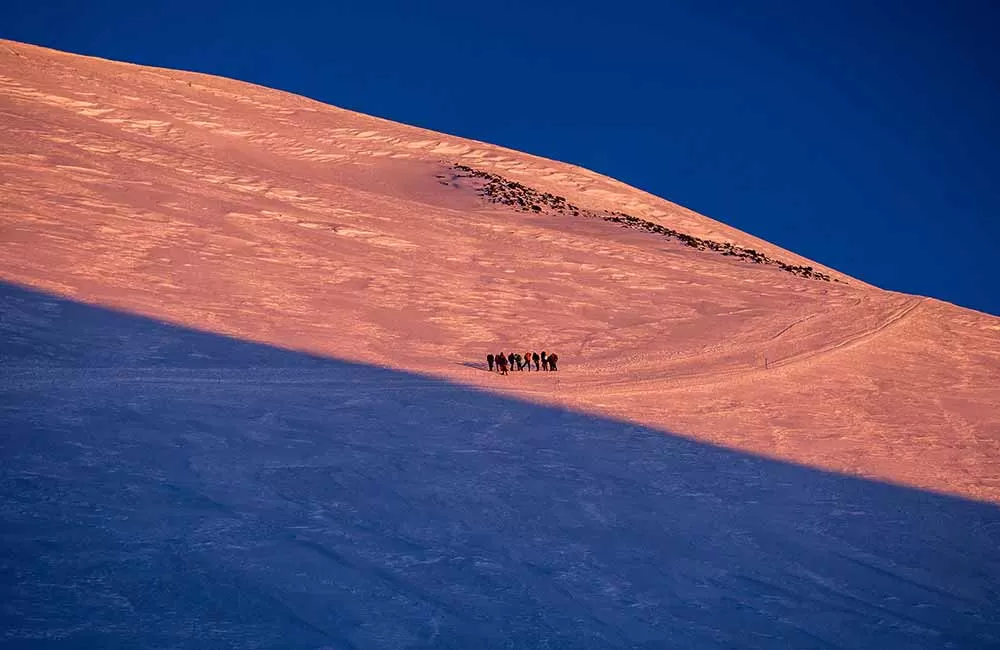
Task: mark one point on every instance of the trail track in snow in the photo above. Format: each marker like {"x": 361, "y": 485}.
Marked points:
{"x": 852, "y": 340}
{"x": 671, "y": 381}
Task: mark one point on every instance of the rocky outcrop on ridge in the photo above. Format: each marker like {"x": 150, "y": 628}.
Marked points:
{"x": 518, "y": 196}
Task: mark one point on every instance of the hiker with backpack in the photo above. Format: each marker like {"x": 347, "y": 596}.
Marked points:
{"x": 501, "y": 361}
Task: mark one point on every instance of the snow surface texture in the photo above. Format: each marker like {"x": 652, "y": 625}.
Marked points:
{"x": 312, "y": 453}
{"x": 168, "y": 488}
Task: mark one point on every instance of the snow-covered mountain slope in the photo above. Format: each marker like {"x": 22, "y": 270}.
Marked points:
{"x": 243, "y": 400}
{"x": 163, "y": 487}
{"x": 236, "y": 209}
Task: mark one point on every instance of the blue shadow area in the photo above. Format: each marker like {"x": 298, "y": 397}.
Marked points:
{"x": 167, "y": 488}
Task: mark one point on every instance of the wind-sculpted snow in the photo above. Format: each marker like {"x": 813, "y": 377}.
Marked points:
{"x": 169, "y": 488}
{"x": 312, "y": 453}
{"x": 254, "y": 213}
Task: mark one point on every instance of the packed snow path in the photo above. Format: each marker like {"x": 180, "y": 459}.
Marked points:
{"x": 167, "y": 488}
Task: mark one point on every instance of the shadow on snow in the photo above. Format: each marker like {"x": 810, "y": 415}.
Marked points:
{"x": 163, "y": 487}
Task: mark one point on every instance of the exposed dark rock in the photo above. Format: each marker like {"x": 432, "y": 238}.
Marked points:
{"x": 526, "y": 199}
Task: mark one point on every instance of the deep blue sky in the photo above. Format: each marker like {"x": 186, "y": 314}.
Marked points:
{"x": 864, "y": 135}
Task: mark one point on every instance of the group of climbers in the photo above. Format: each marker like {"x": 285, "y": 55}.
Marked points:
{"x": 502, "y": 363}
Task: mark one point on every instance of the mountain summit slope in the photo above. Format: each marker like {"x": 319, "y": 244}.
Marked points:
{"x": 245, "y": 211}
